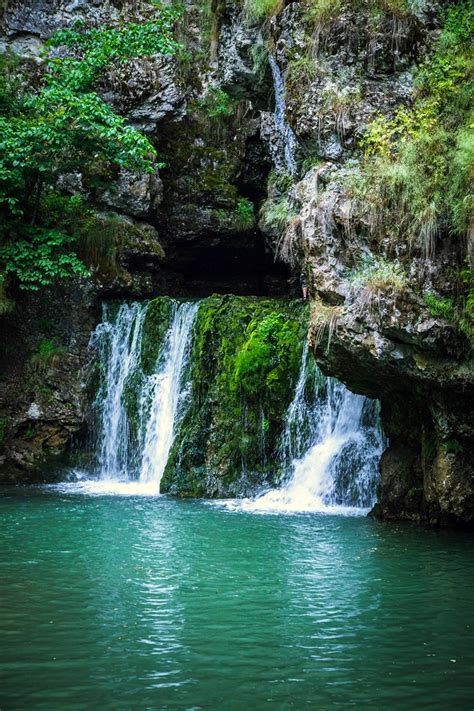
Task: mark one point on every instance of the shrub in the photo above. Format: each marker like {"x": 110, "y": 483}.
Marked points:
{"x": 260, "y": 9}
{"x": 321, "y": 11}
{"x": 218, "y": 103}
{"x": 418, "y": 167}
{"x": 440, "y": 307}
{"x": 244, "y": 214}
{"x": 378, "y": 273}
{"x": 278, "y": 213}
{"x": 47, "y": 355}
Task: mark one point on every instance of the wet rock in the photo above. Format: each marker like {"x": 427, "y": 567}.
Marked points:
{"x": 242, "y": 66}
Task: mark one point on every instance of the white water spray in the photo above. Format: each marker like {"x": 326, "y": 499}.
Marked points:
{"x": 168, "y": 394}
{"x": 118, "y": 340}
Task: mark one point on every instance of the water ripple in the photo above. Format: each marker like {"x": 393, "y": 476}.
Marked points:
{"x": 145, "y": 602}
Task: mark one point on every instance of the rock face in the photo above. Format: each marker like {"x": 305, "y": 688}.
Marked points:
{"x": 196, "y": 226}
{"x": 229, "y": 441}
{"x": 188, "y": 229}
{"x": 44, "y": 365}
{"x": 377, "y": 335}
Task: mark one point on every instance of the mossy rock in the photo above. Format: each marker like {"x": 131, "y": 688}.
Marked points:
{"x": 245, "y": 361}
{"x": 155, "y": 328}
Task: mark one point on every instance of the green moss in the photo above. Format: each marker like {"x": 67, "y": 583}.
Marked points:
{"x": 270, "y": 352}
{"x": 214, "y": 183}
{"x": 201, "y": 170}
{"x": 440, "y": 307}
{"x": 102, "y": 236}
{"x": 155, "y": 328}
{"x": 244, "y": 363}
{"x": 131, "y": 398}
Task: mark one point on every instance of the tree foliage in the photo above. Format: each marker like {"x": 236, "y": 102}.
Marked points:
{"x": 64, "y": 127}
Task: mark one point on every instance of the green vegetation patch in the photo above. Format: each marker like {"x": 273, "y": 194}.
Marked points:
{"x": 244, "y": 364}
{"x": 379, "y": 273}
{"x": 260, "y": 9}
{"x": 440, "y": 307}
{"x": 60, "y": 125}
{"x": 155, "y": 328}
{"x": 244, "y": 214}
{"x": 48, "y": 354}
{"x": 419, "y": 164}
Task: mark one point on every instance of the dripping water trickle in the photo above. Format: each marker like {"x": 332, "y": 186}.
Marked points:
{"x": 284, "y": 130}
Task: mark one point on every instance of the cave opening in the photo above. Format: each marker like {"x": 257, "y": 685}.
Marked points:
{"x": 241, "y": 265}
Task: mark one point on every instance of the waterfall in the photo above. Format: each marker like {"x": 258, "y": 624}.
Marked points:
{"x": 169, "y": 391}
{"x": 132, "y": 455}
{"x": 330, "y": 443}
{"x": 335, "y": 442}
{"x": 118, "y": 341}
{"x": 284, "y": 130}
{"x": 299, "y": 426}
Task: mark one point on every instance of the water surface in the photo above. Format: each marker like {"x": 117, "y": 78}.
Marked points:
{"x": 150, "y": 603}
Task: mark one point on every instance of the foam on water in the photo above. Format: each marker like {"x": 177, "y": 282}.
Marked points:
{"x": 106, "y": 487}
{"x": 272, "y": 504}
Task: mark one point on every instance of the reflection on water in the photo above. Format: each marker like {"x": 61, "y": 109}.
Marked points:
{"x": 133, "y": 602}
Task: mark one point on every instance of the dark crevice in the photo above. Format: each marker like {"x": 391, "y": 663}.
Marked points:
{"x": 241, "y": 266}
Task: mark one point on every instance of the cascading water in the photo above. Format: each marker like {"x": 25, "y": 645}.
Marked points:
{"x": 169, "y": 392}
{"x": 134, "y": 463}
{"x": 329, "y": 448}
{"x": 118, "y": 341}
{"x": 335, "y": 442}
{"x": 287, "y": 136}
